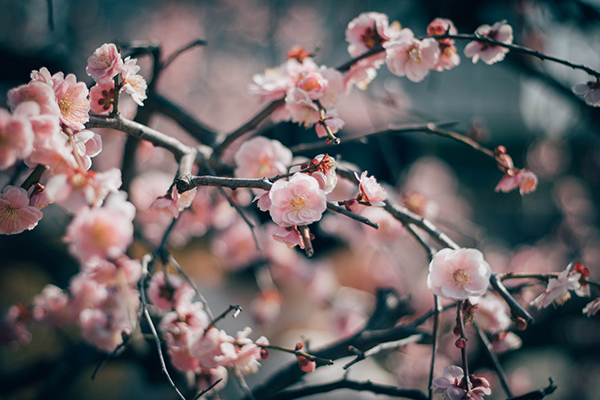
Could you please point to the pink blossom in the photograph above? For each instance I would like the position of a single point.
(86, 292)
(16, 139)
(306, 365)
(589, 91)
(16, 215)
(38, 92)
(116, 272)
(506, 341)
(368, 31)
(289, 236)
(458, 274)
(43, 75)
(78, 188)
(298, 201)
(558, 289)
(266, 306)
(370, 191)
(73, 103)
(592, 307)
(212, 350)
(261, 157)
(314, 85)
(489, 53)
(301, 107)
(333, 123)
(524, 179)
(235, 246)
(51, 307)
(263, 201)
(133, 83)
(102, 97)
(450, 383)
(272, 85)
(160, 294)
(441, 26)
(100, 233)
(411, 57)
(104, 64)
(173, 202)
(491, 313)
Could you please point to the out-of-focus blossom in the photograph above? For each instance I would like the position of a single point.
(261, 157)
(16, 139)
(266, 306)
(558, 289)
(333, 123)
(78, 188)
(370, 190)
(306, 365)
(133, 83)
(14, 327)
(298, 201)
(161, 294)
(369, 30)
(101, 233)
(236, 246)
(453, 386)
(592, 307)
(589, 91)
(448, 58)
(490, 53)
(16, 215)
(458, 274)
(523, 179)
(50, 307)
(174, 202)
(116, 272)
(102, 97)
(506, 341)
(290, 236)
(491, 313)
(38, 92)
(411, 57)
(104, 64)
(73, 103)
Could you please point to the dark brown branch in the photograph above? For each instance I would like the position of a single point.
(347, 65)
(537, 394)
(341, 210)
(231, 183)
(436, 320)
(177, 53)
(185, 120)
(208, 389)
(512, 303)
(140, 131)
(247, 127)
(352, 385)
(34, 177)
(463, 349)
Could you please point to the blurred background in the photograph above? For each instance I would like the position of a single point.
(524, 104)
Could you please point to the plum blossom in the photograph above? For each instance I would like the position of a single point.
(370, 190)
(133, 83)
(458, 274)
(266, 306)
(506, 341)
(592, 307)
(51, 307)
(491, 313)
(160, 294)
(557, 292)
(261, 157)
(298, 201)
(16, 139)
(101, 233)
(16, 215)
(589, 91)
(73, 102)
(523, 179)
(448, 58)
(14, 326)
(104, 64)
(289, 236)
(43, 76)
(102, 97)
(174, 202)
(453, 386)
(369, 30)
(489, 53)
(411, 57)
(38, 92)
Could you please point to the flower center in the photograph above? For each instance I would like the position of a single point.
(460, 276)
(298, 203)
(79, 181)
(414, 54)
(371, 37)
(102, 235)
(310, 84)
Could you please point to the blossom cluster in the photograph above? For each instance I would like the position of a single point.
(195, 345)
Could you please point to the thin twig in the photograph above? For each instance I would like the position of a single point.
(518, 49)
(383, 347)
(512, 303)
(236, 311)
(208, 389)
(177, 53)
(428, 249)
(537, 394)
(434, 334)
(297, 352)
(152, 328)
(112, 354)
(342, 210)
(463, 350)
(181, 272)
(494, 358)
